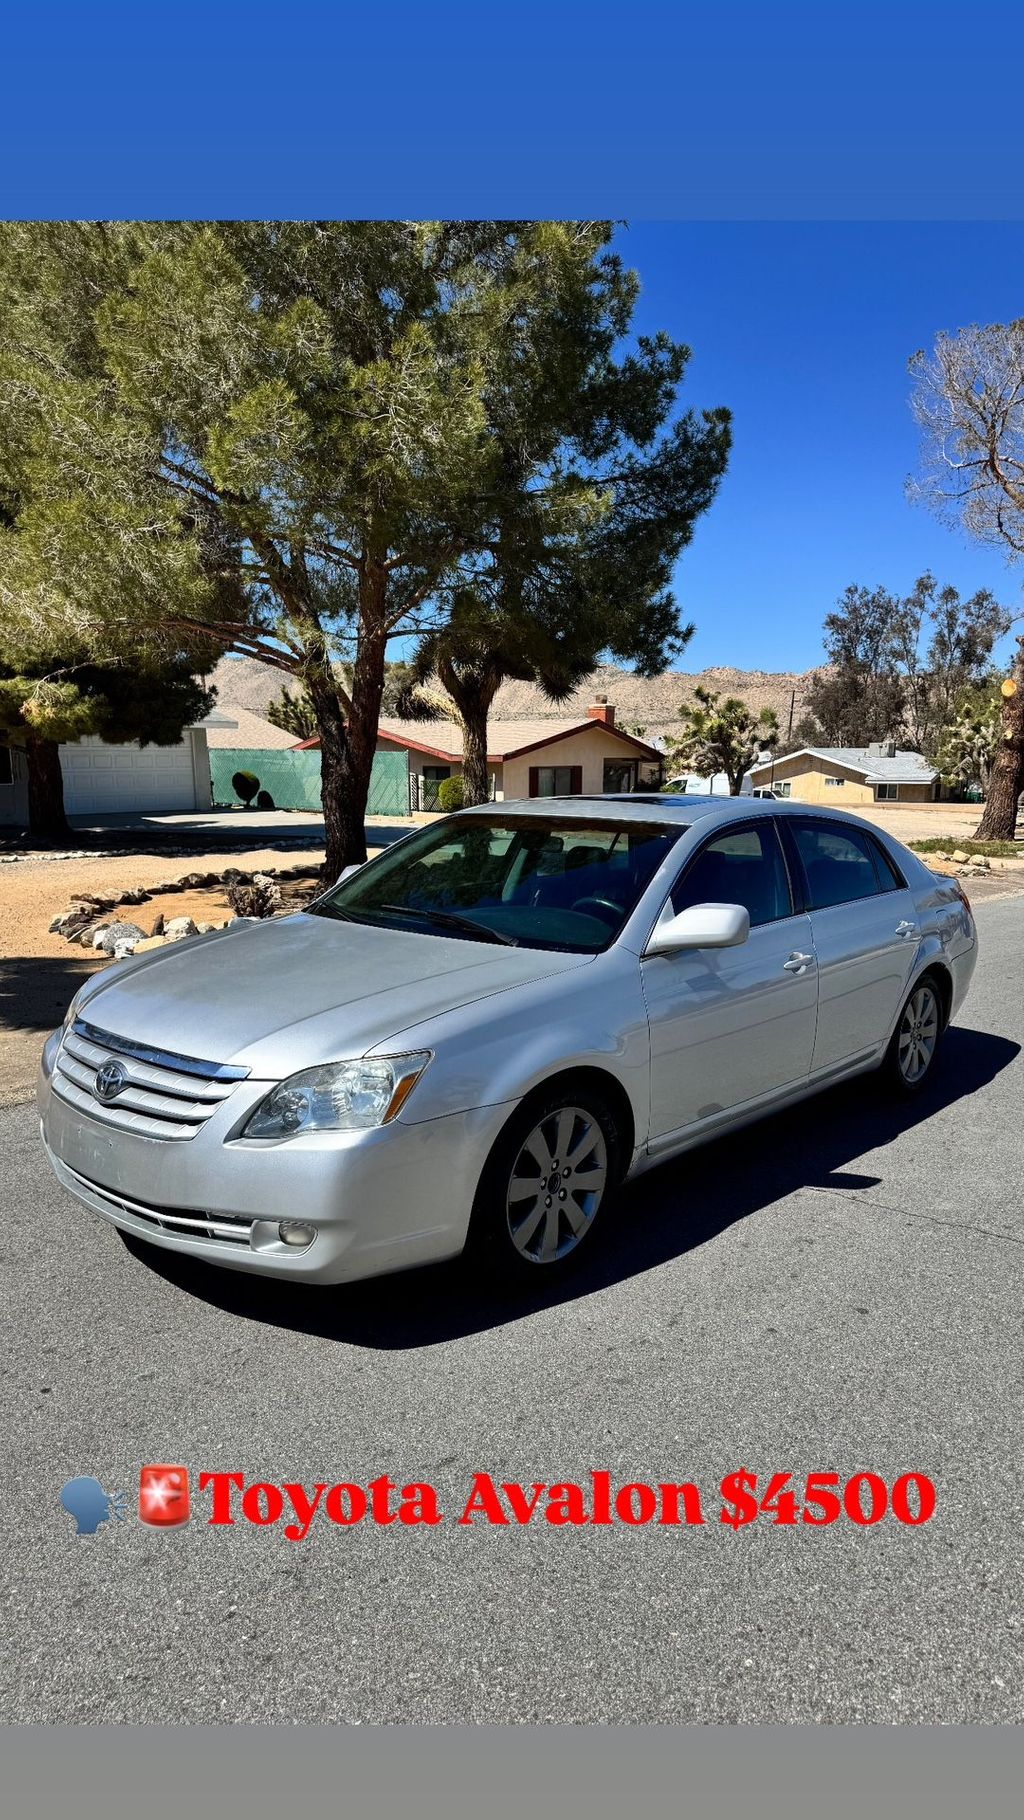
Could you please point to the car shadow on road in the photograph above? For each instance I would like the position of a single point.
(666, 1213)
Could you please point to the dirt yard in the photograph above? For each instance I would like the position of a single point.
(919, 821)
(40, 973)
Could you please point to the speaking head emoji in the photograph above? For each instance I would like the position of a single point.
(86, 1501)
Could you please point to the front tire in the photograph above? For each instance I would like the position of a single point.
(545, 1185)
(910, 1057)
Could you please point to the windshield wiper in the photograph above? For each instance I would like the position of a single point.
(446, 919)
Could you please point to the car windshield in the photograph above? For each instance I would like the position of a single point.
(535, 881)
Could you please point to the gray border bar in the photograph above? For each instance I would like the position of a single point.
(510, 1773)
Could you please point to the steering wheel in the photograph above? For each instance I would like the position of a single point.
(599, 904)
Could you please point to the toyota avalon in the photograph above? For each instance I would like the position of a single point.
(471, 1040)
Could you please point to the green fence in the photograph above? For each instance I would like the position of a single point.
(389, 784)
(293, 778)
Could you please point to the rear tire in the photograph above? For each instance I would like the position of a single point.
(910, 1058)
(545, 1186)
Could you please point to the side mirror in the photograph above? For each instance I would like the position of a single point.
(347, 871)
(701, 926)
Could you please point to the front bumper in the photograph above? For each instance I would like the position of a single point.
(380, 1200)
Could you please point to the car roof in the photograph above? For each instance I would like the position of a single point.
(677, 811)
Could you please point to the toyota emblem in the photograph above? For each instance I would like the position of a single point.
(110, 1079)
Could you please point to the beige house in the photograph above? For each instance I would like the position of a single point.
(834, 776)
(525, 757)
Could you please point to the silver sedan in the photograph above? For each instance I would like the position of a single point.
(474, 1038)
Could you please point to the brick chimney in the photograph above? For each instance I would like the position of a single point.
(603, 711)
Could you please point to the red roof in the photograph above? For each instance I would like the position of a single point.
(404, 741)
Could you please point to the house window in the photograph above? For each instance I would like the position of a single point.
(783, 789)
(556, 780)
(6, 766)
(619, 776)
(834, 783)
(887, 793)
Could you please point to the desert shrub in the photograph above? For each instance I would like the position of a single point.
(265, 801)
(450, 794)
(991, 849)
(245, 785)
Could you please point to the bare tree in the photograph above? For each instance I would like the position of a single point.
(969, 402)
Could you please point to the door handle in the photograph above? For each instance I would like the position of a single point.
(906, 929)
(797, 962)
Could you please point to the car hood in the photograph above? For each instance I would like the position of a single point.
(294, 991)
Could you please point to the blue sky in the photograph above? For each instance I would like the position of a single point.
(690, 109)
(804, 330)
(814, 189)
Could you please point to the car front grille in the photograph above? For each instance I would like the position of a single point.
(161, 1095)
(229, 1228)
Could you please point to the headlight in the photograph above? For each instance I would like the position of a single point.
(341, 1096)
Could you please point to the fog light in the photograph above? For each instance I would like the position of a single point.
(297, 1233)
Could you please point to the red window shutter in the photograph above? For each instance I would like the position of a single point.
(575, 780)
(534, 780)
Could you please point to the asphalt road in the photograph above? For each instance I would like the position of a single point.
(839, 1289)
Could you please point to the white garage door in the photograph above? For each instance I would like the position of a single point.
(112, 780)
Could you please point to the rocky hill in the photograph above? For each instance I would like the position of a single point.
(654, 703)
(651, 704)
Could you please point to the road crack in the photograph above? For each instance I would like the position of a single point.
(859, 1198)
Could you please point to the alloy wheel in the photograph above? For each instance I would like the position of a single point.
(918, 1035)
(557, 1183)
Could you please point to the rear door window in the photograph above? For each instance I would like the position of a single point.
(837, 863)
(891, 879)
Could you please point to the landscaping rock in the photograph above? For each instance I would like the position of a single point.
(124, 949)
(960, 856)
(96, 935)
(121, 932)
(148, 942)
(74, 922)
(58, 924)
(158, 926)
(178, 929)
(137, 895)
(982, 860)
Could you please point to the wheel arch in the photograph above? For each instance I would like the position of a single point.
(938, 971)
(600, 1081)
